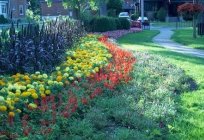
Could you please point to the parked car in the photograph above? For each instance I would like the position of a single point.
(124, 15)
(145, 19)
(145, 24)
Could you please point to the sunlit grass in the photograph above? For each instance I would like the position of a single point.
(189, 122)
(185, 37)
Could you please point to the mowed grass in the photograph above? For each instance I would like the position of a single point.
(189, 121)
(185, 37)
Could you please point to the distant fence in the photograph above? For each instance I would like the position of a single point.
(16, 25)
(184, 24)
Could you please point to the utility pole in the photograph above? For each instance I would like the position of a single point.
(142, 10)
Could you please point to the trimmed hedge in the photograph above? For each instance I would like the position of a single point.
(125, 23)
(103, 24)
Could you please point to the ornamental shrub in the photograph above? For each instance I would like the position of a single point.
(3, 20)
(118, 24)
(36, 48)
(102, 24)
(124, 23)
(161, 14)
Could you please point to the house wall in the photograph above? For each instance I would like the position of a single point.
(4, 8)
(17, 9)
(55, 9)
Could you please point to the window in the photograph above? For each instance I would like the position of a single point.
(21, 10)
(3, 9)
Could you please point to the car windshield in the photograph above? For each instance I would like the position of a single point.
(123, 14)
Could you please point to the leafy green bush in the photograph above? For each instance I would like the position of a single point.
(161, 14)
(102, 24)
(118, 24)
(135, 16)
(114, 7)
(124, 23)
(3, 20)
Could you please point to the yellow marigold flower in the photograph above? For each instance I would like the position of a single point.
(67, 82)
(11, 114)
(78, 75)
(57, 68)
(96, 69)
(47, 92)
(26, 77)
(17, 94)
(75, 68)
(16, 99)
(11, 107)
(59, 78)
(71, 78)
(25, 94)
(28, 82)
(34, 95)
(3, 108)
(18, 110)
(32, 106)
(43, 95)
(2, 83)
(42, 89)
(37, 72)
(32, 90)
(45, 76)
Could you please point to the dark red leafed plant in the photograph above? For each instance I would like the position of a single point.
(190, 8)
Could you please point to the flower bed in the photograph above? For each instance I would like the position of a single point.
(35, 102)
(119, 33)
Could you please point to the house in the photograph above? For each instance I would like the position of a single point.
(13, 9)
(152, 6)
(54, 10)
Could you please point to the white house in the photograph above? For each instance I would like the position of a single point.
(4, 8)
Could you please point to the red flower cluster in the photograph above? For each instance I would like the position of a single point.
(120, 67)
(190, 8)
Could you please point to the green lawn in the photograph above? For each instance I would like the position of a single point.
(188, 124)
(185, 36)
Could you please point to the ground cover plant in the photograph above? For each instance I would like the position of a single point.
(188, 122)
(184, 37)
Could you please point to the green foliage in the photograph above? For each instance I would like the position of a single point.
(124, 23)
(118, 23)
(161, 14)
(135, 16)
(3, 20)
(114, 6)
(102, 24)
(33, 11)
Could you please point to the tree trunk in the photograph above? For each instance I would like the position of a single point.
(194, 26)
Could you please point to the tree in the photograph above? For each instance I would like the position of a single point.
(191, 8)
(33, 11)
(79, 5)
(114, 6)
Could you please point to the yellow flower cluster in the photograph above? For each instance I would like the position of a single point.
(86, 58)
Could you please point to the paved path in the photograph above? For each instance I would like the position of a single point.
(164, 39)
